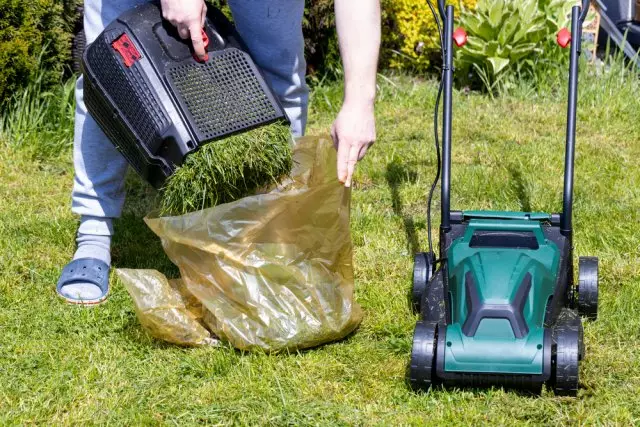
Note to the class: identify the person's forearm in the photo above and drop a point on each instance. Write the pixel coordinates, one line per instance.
(358, 24)
(354, 130)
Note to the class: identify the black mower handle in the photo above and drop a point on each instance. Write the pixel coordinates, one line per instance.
(583, 11)
(441, 8)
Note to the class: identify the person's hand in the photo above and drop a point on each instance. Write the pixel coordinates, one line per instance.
(188, 17)
(353, 132)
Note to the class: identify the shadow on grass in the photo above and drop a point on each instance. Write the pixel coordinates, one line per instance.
(136, 246)
(522, 194)
(534, 392)
(396, 175)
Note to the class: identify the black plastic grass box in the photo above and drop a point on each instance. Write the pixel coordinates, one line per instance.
(157, 103)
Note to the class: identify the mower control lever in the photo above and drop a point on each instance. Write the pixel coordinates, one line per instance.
(563, 38)
(460, 37)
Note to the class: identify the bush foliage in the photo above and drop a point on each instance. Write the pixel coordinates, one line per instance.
(26, 28)
(321, 43)
(511, 40)
(405, 25)
(410, 35)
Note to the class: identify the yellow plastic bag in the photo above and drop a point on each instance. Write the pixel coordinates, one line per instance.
(271, 271)
(163, 308)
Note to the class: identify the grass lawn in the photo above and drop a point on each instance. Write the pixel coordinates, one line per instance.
(61, 364)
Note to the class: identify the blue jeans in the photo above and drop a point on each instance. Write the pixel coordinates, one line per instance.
(272, 29)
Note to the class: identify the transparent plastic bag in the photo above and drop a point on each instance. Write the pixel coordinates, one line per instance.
(164, 308)
(271, 271)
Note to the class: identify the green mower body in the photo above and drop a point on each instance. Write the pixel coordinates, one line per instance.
(504, 309)
(502, 273)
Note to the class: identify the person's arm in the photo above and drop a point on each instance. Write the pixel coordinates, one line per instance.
(354, 130)
(188, 17)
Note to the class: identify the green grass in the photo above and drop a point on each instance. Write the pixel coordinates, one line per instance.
(39, 122)
(69, 365)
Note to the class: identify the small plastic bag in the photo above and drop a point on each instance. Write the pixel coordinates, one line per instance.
(271, 271)
(162, 309)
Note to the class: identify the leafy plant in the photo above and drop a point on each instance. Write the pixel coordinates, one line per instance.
(513, 39)
(502, 33)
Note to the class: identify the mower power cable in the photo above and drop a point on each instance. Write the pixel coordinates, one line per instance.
(435, 129)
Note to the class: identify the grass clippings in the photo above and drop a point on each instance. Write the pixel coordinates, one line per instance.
(229, 169)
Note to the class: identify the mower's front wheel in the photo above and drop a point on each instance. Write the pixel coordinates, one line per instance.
(588, 287)
(421, 373)
(422, 272)
(566, 354)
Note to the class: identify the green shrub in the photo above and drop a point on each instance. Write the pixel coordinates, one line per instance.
(321, 42)
(26, 28)
(38, 120)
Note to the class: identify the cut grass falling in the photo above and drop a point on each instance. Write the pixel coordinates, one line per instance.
(230, 169)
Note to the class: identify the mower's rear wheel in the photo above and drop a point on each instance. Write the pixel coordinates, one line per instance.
(588, 287)
(422, 272)
(421, 375)
(567, 352)
(433, 305)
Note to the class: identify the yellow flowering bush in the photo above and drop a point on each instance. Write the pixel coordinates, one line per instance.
(410, 35)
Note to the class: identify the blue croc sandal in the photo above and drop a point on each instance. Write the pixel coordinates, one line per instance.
(85, 270)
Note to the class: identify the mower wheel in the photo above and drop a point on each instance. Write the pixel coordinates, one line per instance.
(422, 271)
(566, 355)
(588, 287)
(433, 305)
(421, 374)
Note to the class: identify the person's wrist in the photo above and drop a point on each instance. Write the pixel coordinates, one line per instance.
(359, 103)
(359, 96)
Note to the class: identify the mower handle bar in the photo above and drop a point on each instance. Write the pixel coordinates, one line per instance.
(578, 16)
(583, 10)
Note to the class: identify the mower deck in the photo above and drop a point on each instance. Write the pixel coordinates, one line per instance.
(501, 275)
(502, 308)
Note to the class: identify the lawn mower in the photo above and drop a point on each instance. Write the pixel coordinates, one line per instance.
(500, 306)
